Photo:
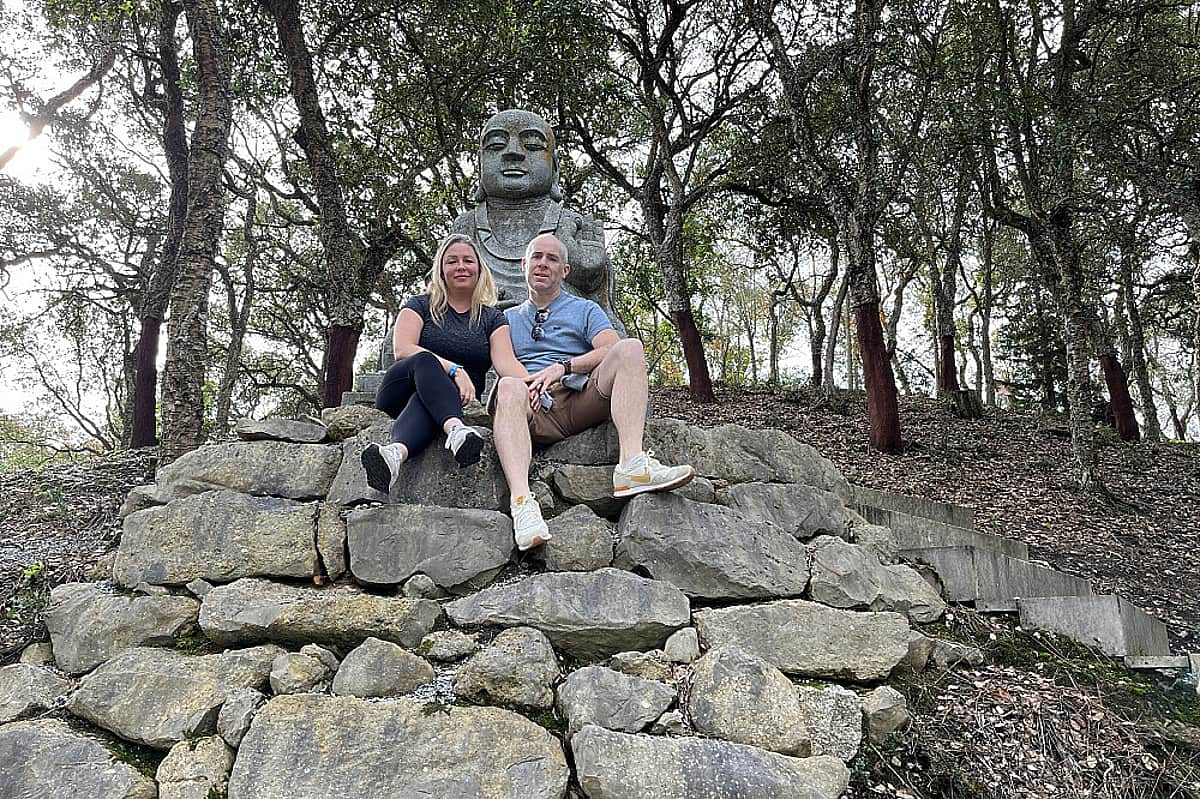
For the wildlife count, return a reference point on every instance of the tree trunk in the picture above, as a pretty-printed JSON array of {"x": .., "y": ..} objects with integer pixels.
[
  {"x": 945, "y": 288},
  {"x": 879, "y": 381},
  {"x": 823, "y": 369},
  {"x": 985, "y": 318},
  {"x": 239, "y": 317},
  {"x": 187, "y": 344},
  {"x": 835, "y": 321},
  {"x": 158, "y": 288},
  {"x": 347, "y": 280},
  {"x": 1137, "y": 352}
]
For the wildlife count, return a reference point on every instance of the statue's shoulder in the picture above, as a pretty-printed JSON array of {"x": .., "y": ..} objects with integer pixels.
[{"x": 464, "y": 222}]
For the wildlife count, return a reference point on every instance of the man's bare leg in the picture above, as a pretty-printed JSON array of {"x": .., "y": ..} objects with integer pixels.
[
  {"x": 510, "y": 431},
  {"x": 621, "y": 376}
]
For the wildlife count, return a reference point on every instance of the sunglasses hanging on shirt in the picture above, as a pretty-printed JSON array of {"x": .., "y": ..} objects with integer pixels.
[{"x": 538, "y": 332}]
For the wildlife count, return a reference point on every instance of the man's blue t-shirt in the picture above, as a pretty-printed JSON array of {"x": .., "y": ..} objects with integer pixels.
[{"x": 570, "y": 326}]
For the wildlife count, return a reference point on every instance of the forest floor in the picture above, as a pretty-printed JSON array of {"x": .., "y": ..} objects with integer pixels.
[{"x": 1043, "y": 717}]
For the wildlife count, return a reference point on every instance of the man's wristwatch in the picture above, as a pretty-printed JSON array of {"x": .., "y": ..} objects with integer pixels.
[{"x": 565, "y": 363}]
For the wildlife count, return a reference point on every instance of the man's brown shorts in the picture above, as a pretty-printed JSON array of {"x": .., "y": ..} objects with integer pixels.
[{"x": 572, "y": 412}]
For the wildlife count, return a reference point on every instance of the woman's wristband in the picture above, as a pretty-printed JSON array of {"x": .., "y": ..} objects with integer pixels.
[{"x": 453, "y": 370}]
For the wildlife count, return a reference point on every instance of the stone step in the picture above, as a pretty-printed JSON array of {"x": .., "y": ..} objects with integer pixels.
[
  {"x": 1111, "y": 624},
  {"x": 368, "y": 382},
  {"x": 943, "y": 512},
  {"x": 971, "y": 574},
  {"x": 918, "y": 532},
  {"x": 358, "y": 398}
]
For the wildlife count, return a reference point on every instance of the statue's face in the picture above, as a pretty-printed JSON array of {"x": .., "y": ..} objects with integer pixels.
[{"x": 516, "y": 158}]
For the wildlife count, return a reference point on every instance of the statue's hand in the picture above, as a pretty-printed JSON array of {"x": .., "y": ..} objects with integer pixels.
[
  {"x": 584, "y": 240},
  {"x": 591, "y": 240}
]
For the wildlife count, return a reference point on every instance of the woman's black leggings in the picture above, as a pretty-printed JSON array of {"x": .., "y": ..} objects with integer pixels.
[{"x": 420, "y": 396}]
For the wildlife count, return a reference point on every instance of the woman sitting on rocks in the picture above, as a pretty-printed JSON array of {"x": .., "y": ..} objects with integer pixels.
[{"x": 444, "y": 342}]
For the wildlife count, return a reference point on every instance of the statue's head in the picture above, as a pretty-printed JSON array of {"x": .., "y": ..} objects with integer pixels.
[{"x": 517, "y": 158}]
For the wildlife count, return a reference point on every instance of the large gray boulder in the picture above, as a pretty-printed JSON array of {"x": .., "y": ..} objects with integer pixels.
[
  {"x": 801, "y": 510},
  {"x": 431, "y": 477},
  {"x": 26, "y": 689},
  {"x": 262, "y": 468},
  {"x": 582, "y": 542},
  {"x": 460, "y": 550},
  {"x": 517, "y": 669},
  {"x": 196, "y": 769},
  {"x": 253, "y": 610},
  {"x": 46, "y": 759},
  {"x": 709, "y": 551},
  {"x": 833, "y": 715},
  {"x": 884, "y": 710},
  {"x": 588, "y": 616},
  {"x": 380, "y": 668},
  {"x": 598, "y": 695},
  {"x": 297, "y": 673},
  {"x": 276, "y": 429},
  {"x": 307, "y": 745},
  {"x": 809, "y": 639},
  {"x": 346, "y": 421},
  {"x": 741, "y": 698},
  {"x": 158, "y": 697},
  {"x": 738, "y": 455},
  {"x": 614, "y": 765},
  {"x": 849, "y": 576},
  {"x": 596, "y": 446},
  {"x": 587, "y": 485},
  {"x": 218, "y": 536},
  {"x": 88, "y": 626}
]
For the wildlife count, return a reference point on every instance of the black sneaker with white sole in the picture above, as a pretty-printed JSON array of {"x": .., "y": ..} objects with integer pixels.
[
  {"x": 382, "y": 465},
  {"x": 465, "y": 443}
]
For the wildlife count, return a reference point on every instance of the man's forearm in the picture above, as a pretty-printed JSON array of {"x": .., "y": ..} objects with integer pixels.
[{"x": 585, "y": 363}]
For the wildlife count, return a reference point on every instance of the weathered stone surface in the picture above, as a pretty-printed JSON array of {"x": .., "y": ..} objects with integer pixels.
[
  {"x": 885, "y": 710},
  {"x": 948, "y": 654},
  {"x": 517, "y": 669},
  {"x": 308, "y": 745},
  {"x": 237, "y": 713},
  {"x": 195, "y": 769},
  {"x": 833, "y": 716},
  {"x": 709, "y": 551},
  {"x": 380, "y": 668},
  {"x": 26, "y": 689},
  {"x": 276, "y": 429},
  {"x": 262, "y": 468},
  {"x": 615, "y": 701},
  {"x": 447, "y": 645},
  {"x": 582, "y": 542},
  {"x": 683, "y": 646},
  {"x": 199, "y": 588},
  {"x": 588, "y": 485},
  {"x": 460, "y": 550},
  {"x": 849, "y": 576},
  {"x": 590, "y": 615},
  {"x": 875, "y": 538},
  {"x": 331, "y": 540},
  {"x": 218, "y": 536},
  {"x": 801, "y": 510},
  {"x": 614, "y": 765},
  {"x": 250, "y": 666},
  {"x": 420, "y": 586},
  {"x": 88, "y": 626},
  {"x": 596, "y": 446},
  {"x": 741, "y": 698},
  {"x": 296, "y": 673},
  {"x": 670, "y": 723},
  {"x": 346, "y": 421},
  {"x": 700, "y": 489},
  {"x": 650, "y": 665},
  {"x": 805, "y": 638},
  {"x": 738, "y": 455},
  {"x": 322, "y": 654},
  {"x": 139, "y": 498},
  {"x": 46, "y": 759},
  {"x": 920, "y": 648},
  {"x": 37, "y": 653},
  {"x": 157, "y": 697},
  {"x": 253, "y": 610}
]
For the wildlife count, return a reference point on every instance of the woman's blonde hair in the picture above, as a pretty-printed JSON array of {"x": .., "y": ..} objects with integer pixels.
[{"x": 485, "y": 284}]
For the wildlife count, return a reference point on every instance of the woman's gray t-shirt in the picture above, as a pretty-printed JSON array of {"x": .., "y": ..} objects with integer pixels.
[{"x": 456, "y": 339}]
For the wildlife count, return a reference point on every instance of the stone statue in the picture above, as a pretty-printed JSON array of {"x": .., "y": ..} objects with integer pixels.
[{"x": 518, "y": 198}]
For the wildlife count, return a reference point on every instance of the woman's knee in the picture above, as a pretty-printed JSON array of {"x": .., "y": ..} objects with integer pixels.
[{"x": 425, "y": 360}]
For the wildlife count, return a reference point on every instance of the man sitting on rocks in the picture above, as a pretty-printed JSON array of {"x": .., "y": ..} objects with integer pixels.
[{"x": 557, "y": 335}]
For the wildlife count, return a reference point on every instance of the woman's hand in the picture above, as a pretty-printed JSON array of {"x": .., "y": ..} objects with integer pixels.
[{"x": 466, "y": 389}]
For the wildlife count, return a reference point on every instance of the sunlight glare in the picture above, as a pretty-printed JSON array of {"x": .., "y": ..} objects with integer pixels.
[{"x": 33, "y": 155}]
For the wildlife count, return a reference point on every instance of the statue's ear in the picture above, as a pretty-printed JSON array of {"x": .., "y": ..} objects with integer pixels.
[
  {"x": 480, "y": 196},
  {"x": 556, "y": 192}
]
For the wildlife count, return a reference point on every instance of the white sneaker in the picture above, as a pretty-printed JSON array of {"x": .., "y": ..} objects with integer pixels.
[
  {"x": 465, "y": 443},
  {"x": 382, "y": 465},
  {"x": 645, "y": 474},
  {"x": 529, "y": 528}
]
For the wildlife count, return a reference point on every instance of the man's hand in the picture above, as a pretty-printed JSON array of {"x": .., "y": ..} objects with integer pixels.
[
  {"x": 543, "y": 380},
  {"x": 466, "y": 389}
]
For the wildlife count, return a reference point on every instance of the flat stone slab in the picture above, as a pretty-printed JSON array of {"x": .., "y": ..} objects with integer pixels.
[
  {"x": 709, "y": 551},
  {"x": 944, "y": 512},
  {"x": 809, "y": 639},
  {"x": 607, "y": 698},
  {"x": 970, "y": 573},
  {"x": 159, "y": 697},
  {"x": 26, "y": 689},
  {"x": 614, "y": 765},
  {"x": 312, "y": 746},
  {"x": 276, "y": 429},
  {"x": 88, "y": 626},
  {"x": 253, "y": 610},
  {"x": 46, "y": 759},
  {"x": 218, "y": 536},
  {"x": 1107, "y": 622},
  {"x": 262, "y": 468},
  {"x": 801, "y": 510},
  {"x": 586, "y": 615},
  {"x": 460, "y": 550}
]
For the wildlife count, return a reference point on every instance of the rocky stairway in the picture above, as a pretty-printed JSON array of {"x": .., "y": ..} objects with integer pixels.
[{"x": 277, "y": 628}]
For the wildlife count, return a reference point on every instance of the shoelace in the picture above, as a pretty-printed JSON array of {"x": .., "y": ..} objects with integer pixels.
[{"x": 524, "y": 510}]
